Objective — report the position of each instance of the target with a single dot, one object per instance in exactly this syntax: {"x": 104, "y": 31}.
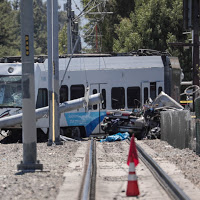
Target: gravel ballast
{"x": 40, "y": 184}
{"x": 185, "y": 159}
{"x": 56, "y": 159}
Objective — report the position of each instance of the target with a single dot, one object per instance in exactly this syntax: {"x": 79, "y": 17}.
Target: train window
{"x": 77, "y": 91}
{"x": 103, "y": 92}
{"x": 153, "y": 90}
{"x": 146, "y": 94}
{"x": 133, "y": 97}
{"x": 94, "y": 106}
{"x": 63, "y": 93}
{"x": 11, "y": 91}
{"x": 159, "y": 90}
{"x": 118, "y": 97}
{"x": 42, "y": 98}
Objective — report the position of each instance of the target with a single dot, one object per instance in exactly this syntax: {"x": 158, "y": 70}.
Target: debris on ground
{"x": 116, "y": 137}
{"x": 143, "y": 122}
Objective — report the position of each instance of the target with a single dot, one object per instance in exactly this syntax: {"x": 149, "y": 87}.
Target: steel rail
{"x": 94, "y": 173}
{"x": 90, "y": 177}
{"x": 171, "y": 188}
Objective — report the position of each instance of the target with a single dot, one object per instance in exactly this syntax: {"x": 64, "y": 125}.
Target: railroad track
{"x": 170, "y": 187}
{"x": 113, "y": 171}
{"x": 87, "y": 190}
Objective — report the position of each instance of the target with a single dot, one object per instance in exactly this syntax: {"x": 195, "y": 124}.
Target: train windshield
{"x": 10, "y": 91}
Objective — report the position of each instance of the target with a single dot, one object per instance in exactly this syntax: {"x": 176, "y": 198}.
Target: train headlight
{"x": 10, "y": 69}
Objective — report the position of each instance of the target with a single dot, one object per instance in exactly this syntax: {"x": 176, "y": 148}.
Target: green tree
{"x": 63, "y": 40}
{"x": 149, "y": 24}
{"x": 9, "y": 44}
{"x": 40, "y": 27}
{"x": 10, "y": 28}
{"x": 105, "y": 23}
{"x": 152, "y": 22}
{"x": 153, "y": 25}
{"x": 62, "y": 36}
{"x": 16, "y": 4}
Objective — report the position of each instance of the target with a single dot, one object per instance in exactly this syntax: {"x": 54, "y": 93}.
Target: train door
{"x": 99, "y": 110}
{"x": 159, "y": 87}
{"x": 145, "y": 91}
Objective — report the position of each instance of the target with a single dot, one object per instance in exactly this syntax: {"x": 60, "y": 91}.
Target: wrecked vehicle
{"x": 143, "y": 122}
{"x": 124, "y": 121}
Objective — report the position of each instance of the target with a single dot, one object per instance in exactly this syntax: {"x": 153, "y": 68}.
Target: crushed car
{"x": 143, "y": 122}
{"x": 124, "y": 121}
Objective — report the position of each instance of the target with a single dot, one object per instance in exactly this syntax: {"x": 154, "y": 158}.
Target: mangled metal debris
{"x": 123, "y": 121}
{"x": 142, "y": 122}
{"x": 165, "y": 101}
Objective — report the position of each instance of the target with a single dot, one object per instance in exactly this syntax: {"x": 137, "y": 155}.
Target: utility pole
{"x": 69, "y": 23}
{"x": 28, "y": 90}
{"x": 53, "y": 72}
{"x": 75, "y": 37}
{"x": 191, "y": 21}
{"x": 72, "y": 30}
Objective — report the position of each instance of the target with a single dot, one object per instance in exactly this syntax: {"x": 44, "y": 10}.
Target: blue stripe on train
{"x": 89, "y": 120}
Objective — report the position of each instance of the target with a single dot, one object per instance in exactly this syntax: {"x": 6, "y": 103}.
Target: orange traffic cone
{"x": 132, "y": 186}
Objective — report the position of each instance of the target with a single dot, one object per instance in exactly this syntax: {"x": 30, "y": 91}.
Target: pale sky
{"x": 62, "y": 2}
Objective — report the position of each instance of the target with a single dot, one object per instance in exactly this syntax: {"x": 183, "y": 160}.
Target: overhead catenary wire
{"x": 96, "y": 23}
{"x": 72, "y": 56}
{"x": 102, "y": 15}
{"x": 76, "y": 6}
{"x": 77, "y": 41}
{"x": 95, "y": 4}
{"x": 103, "y": 3}
{"x": 85, "y": 7}
{"x": 93, "y": 28}
{"x": 86, "y": 12}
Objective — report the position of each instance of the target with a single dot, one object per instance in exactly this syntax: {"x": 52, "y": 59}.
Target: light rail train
{"x": 125, "y": 82}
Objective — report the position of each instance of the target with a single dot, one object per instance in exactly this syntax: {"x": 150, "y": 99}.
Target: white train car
{"x": 125, "y": 82}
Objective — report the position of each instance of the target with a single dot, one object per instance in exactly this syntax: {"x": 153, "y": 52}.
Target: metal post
{"x": 69, "y": 38}
{"x": 196, "y": 43}
{"x": 197, "y": 113}
{"x": 76, "y": 30}
{"x": 53, "y": 72}
{"x": 196, "y": 47}
{"x": 28, "y": 88}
